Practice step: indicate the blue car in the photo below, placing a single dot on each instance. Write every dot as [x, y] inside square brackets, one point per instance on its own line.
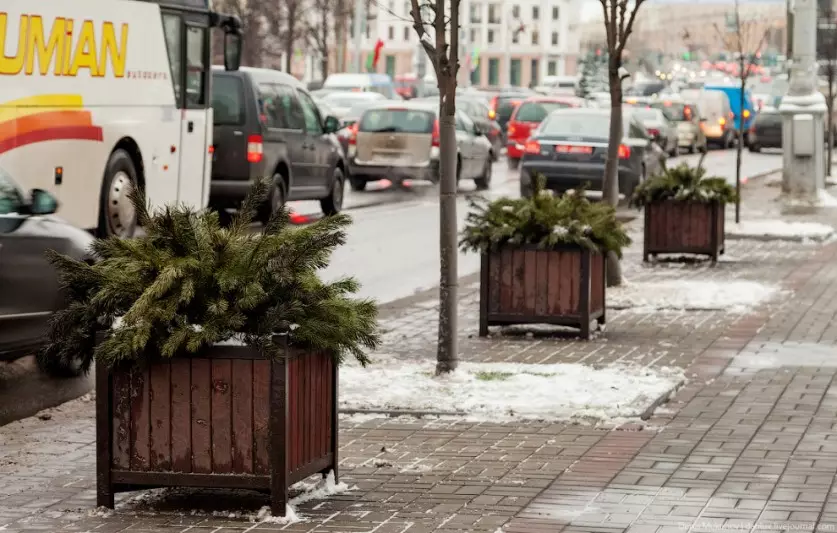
[733, 92]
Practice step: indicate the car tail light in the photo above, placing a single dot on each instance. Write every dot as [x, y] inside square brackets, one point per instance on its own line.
[653, 132]
[353, 133]
[211, 149]
[511, 129]
[435, 139]
[533, 147]
[746, 113]
[255, 149]
[752, 128]
[722, 121]
[624, 151]
[492, 114]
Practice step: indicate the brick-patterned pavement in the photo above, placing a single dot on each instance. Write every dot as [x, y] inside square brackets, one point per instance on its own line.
[747, 441]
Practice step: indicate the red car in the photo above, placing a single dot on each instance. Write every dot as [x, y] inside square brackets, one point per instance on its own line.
[527, 117]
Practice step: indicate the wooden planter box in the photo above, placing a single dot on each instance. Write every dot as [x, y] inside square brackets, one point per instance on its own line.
[526, 285]
[684, 228]
[226, 419]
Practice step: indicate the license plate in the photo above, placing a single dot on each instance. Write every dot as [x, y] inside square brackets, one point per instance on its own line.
[572, 149]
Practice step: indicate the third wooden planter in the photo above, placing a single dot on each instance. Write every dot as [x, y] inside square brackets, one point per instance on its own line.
[673, 227]
[524, 284]
[228, 418]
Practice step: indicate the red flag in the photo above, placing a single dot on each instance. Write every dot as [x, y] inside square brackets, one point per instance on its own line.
[377, 55]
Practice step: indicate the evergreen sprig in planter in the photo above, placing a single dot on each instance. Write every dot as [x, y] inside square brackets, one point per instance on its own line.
[684, 212]
[216, 350]
[543, 258]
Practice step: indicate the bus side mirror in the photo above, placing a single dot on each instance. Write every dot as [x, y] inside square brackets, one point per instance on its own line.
[232, 50]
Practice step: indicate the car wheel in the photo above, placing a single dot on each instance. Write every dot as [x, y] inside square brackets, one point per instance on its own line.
[333, 203]
[754, 147]
[693, 148]
[705, 147]
[117, 216]
[513, 163]
[275, 200]
[484, 181]
[357, 184]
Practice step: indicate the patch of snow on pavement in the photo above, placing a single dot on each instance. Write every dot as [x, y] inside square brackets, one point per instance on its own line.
[779, 230]
[690, 295]
[493, 391]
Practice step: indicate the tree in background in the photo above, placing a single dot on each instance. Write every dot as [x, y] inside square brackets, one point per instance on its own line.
[257, 20]
[746, 41]
[439, 17]
[295, 29]
[326, 28]
[827, 54]
[619, 17]
[589, 70]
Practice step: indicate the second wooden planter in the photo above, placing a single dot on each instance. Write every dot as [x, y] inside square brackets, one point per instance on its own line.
[225, 419]
[527, 285]
[673, 227]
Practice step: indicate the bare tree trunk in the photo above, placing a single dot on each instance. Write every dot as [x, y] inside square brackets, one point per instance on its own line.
[324, 42]
[740, 146]
[290, 38]
[610, 184]
[341, 37]
[830, 118]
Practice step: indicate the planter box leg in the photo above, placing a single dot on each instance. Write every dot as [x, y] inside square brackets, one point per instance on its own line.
[585, 330]
[104, 436]
[278, 436]
[483, 326]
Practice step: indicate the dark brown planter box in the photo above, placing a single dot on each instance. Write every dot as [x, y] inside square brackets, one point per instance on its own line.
[684, 228]
[527, 285]
[227, 419]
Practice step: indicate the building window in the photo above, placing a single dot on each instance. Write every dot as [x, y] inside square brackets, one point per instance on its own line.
[406, 33]
[516, 12]
[476, 75]
[391, 33]
[476, 13]
[514, 72]
[536, 37]
[368, 31]
[493, 14]
[515, 36]
[392, 6]
[493, 72]
[490, 36]
[555, 38]
[536, 74]
[536, 12]
[474, 36]
[407, 8]
[552, 68]
[390, 62]
[555, 13]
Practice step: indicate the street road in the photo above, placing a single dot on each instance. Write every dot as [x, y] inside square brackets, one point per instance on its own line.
[393, 245]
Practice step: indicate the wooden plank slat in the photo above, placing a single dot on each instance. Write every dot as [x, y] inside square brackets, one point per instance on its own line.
[494, 277]
[121, 419]
[201, 386]
[181, 418]
[566, 280]
[553, 286]
[221, 419]
[293, 404]
[242, 416]
[542, 283]
[261, 416]
[530, 275]
[140, 419]
[518, 281]
[506, 274]
[160, 409]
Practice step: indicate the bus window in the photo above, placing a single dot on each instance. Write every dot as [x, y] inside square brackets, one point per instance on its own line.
[173, 29]
[196, 69]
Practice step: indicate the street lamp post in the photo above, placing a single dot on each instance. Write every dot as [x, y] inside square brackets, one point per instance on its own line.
[803, 113]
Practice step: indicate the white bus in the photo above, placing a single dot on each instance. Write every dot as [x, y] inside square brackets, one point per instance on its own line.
[97, 96]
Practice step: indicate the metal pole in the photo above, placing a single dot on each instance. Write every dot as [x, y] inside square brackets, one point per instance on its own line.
[358, 27]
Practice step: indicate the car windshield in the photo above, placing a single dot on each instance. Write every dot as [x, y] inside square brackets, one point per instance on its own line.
[675, 111]
[577, 125]
[505, 109]
[537, 111]
[397, 121]
[227, 100]
[646, 114]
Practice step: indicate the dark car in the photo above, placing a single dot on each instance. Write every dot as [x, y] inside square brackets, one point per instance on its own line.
[766, 130]
[267, 124]
[659, 128]
[527, 117]
[570, 149]
[29, 288]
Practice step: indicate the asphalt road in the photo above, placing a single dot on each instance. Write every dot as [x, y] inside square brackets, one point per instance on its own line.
[393, 250]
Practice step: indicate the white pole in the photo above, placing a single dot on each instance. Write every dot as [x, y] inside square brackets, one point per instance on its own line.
[359, 25]
[508, 43]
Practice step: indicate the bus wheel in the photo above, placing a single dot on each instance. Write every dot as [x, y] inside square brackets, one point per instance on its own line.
[117, 215]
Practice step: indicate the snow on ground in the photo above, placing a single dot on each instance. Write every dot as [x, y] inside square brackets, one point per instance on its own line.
[690, 295]
[780, 230]
[495, 391]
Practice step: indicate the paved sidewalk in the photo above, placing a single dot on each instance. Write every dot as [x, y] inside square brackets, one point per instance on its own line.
[748, 439]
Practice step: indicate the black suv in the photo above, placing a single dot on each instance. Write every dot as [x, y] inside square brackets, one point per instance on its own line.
[266, 124]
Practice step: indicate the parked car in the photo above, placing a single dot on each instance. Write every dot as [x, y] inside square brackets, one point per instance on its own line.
[766, 130]
[686, 117]
[526, 118]
[747, 114]
[570, 149]
[267, 124]
[29, 288]
[401, 141]
[476, 107]
[503, 104]
[659, 128]
[718, 125]
[378, 83]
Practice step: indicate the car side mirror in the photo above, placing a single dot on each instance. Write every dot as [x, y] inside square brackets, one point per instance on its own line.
[331, 125]
[42, 202]
[232, 50]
